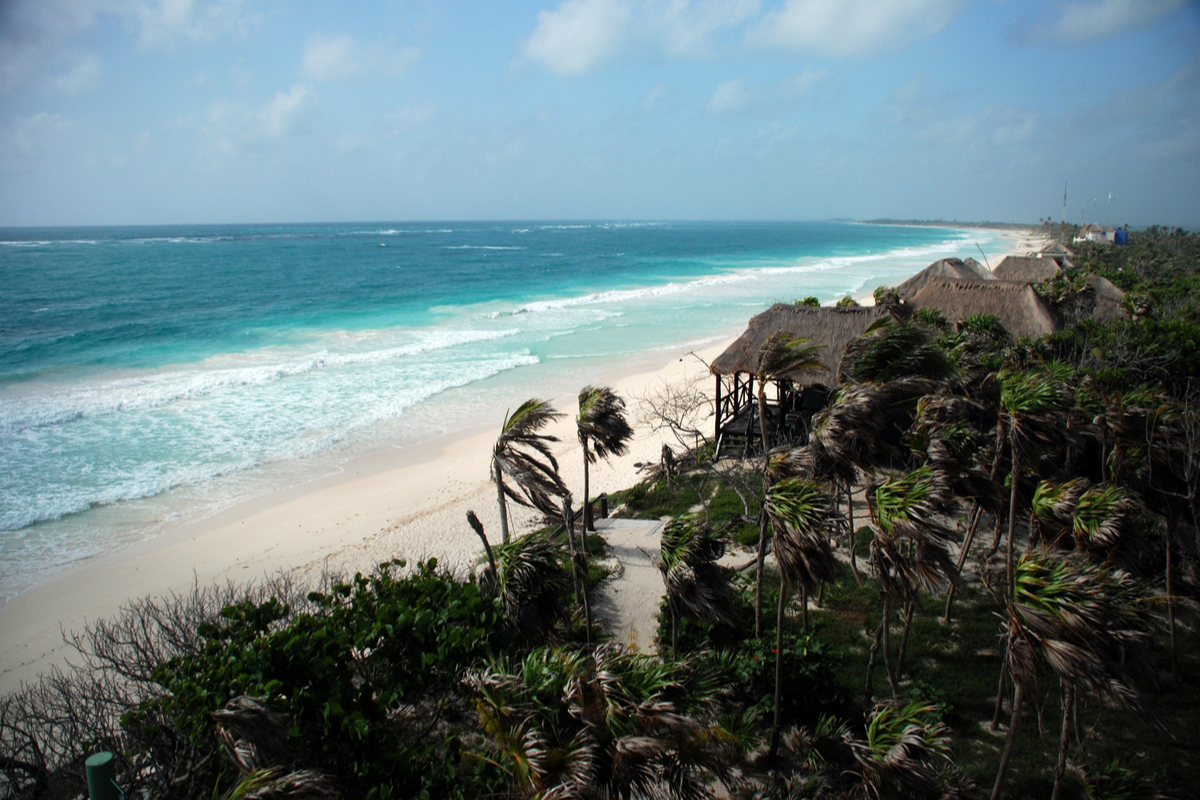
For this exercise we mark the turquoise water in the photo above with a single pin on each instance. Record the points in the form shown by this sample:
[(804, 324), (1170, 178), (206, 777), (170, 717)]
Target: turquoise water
[(154, 374)]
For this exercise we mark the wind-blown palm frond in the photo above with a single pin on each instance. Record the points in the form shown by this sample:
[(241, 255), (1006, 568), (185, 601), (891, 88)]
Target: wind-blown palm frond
[(601, 422), (949, 434), (523, 454), (910, 545), (1108, 525), (892, 349), (530, 582), (1054, 505), (803, 516), (907, 749), (573, 724), (781, 357), (1088, 623), (697, 587)]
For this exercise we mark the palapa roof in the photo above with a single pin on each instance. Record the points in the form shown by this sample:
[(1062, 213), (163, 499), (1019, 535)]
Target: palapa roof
[(951, 268), (1056, 249), (1110, 299), (1017, 305), (1026, 269), (830, 327)]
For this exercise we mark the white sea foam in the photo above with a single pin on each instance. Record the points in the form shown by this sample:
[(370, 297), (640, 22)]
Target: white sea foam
[(162, 388), (480, 247)]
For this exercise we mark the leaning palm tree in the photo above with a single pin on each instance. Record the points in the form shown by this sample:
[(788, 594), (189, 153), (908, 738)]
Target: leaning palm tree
[(696, 586), (801, 514), (909, 551), (530, 579), (524, 456), (1086, 623), (602, 424)]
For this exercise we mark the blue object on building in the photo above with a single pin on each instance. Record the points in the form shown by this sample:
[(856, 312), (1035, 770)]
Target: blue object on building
[(1120, 237)]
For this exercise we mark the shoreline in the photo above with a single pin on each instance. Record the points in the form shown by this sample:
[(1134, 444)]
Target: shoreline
[(409, 503), (396, 502)]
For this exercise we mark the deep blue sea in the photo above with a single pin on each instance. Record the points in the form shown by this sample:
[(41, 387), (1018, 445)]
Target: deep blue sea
[(150, 375)]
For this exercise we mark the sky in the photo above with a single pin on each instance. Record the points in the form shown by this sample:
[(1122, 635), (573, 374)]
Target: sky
[(128, 112)]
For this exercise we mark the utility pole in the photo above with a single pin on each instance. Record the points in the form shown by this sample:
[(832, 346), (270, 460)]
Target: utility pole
[(1063, 235)]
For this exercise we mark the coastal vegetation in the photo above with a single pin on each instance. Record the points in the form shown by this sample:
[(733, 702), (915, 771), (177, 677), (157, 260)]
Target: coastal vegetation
[(1066, 665)]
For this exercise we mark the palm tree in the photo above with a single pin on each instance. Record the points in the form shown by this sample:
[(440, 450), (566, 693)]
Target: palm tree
[(909, 550), (696, 586), (780, 357), (1086, 623), (800, 514), (524, 455), (530, 580), (567, 723), (601, 422), (891, 349)]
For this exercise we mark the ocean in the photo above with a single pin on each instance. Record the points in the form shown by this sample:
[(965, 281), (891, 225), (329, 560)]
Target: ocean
[(150, 376)]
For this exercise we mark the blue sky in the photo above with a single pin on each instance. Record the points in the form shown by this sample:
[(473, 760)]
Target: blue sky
[(214, 111)]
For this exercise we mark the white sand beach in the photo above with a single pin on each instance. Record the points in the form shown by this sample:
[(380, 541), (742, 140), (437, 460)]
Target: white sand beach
[(406, 503)]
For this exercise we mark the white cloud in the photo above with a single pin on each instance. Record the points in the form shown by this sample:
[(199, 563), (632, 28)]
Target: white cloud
[(686, 27), (83, 77), (284, 115), (803, 82), (341, 57), (578, 35), (39, 132), (36, 36), (728, 98), (851, 27), (1089, 21), (166, 22)]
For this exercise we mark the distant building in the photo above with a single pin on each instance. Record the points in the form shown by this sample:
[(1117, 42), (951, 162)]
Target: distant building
[(1103, 235)]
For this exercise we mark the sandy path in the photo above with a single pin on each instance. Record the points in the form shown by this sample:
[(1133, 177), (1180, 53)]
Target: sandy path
[(628, 602)]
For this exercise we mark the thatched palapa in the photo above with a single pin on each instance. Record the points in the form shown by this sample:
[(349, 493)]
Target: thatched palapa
[(792, 398), (1026, 269), (1110, 300), (948, 268), (829, 327), (1017, 305)]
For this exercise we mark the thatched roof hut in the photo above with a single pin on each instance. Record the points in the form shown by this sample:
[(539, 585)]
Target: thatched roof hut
[(1017, 305), (1110, 300), (950, 268), (1026, 269), (830, 327)]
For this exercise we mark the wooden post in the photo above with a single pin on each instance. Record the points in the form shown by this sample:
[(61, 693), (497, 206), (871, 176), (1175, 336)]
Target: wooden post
[(604, 505), (102, 777), (717, 416)]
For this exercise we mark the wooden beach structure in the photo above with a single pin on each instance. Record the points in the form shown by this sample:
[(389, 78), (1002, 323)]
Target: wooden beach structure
[(791, 401)]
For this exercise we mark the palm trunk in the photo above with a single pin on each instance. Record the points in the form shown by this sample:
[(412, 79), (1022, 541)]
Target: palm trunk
[(758, 575), (587, 505), (571, 542), (869, 689), (503, 507), (850, 516), (1000, 689), (1008, 743), (976, 513), (909, 609), (804, 609), (764, 430), (1064, 739), (477, 526), (887, 645), (778, 668), (1012, 529), (1171, 599)]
